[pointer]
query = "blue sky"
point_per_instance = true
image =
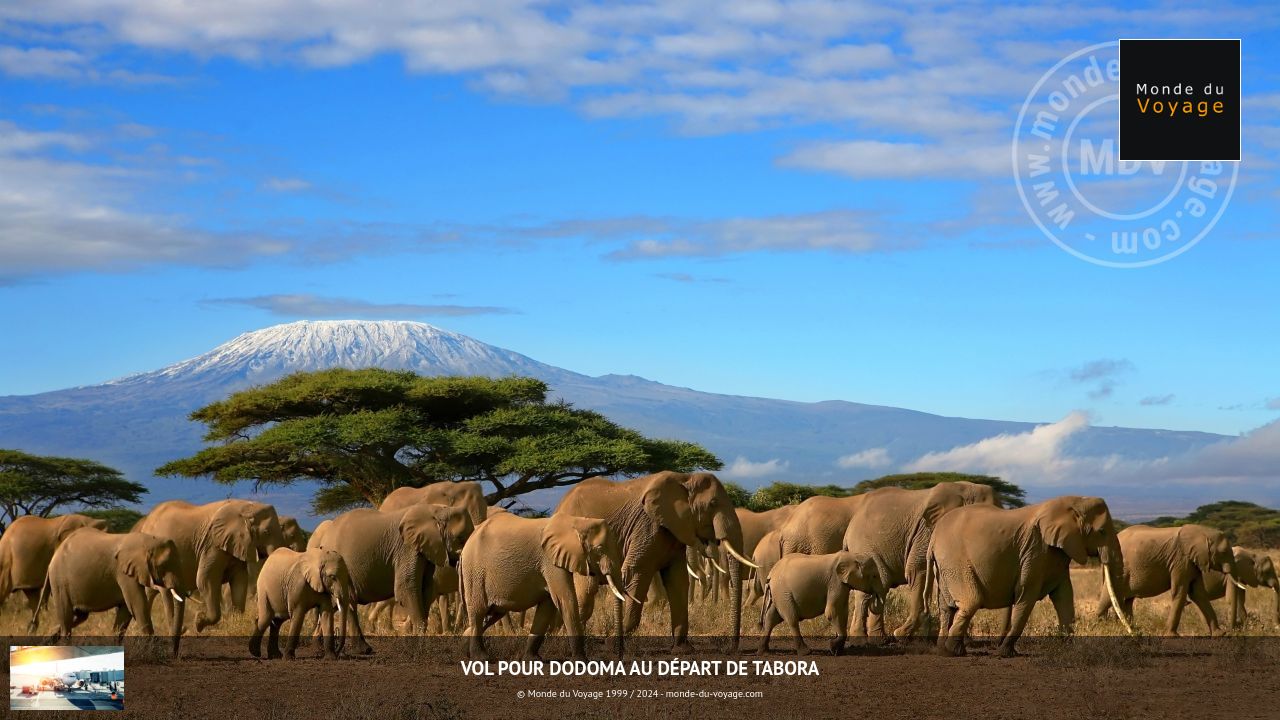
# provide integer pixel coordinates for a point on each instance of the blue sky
(806, 201)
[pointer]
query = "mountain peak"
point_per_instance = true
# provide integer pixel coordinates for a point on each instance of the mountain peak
(264, 355)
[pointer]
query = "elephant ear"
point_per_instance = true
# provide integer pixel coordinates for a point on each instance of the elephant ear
(133, 558)
(565, 540)
(942, 499)
(1060, 526)
(849, 569)
(423, 527)
(1198, 548)
(228, 530)
(666, 500)
(311, 570)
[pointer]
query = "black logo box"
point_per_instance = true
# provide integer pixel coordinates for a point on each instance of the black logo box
(1187, 68)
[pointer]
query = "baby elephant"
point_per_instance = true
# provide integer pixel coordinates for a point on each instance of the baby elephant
(513, 563)
(290, 585)
(806, 586)
(92, 571)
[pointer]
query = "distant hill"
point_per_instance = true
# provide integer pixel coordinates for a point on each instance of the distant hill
(1246, 523)
(139, 422)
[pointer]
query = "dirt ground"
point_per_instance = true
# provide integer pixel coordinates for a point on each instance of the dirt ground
(421, 678)
(1099, 673)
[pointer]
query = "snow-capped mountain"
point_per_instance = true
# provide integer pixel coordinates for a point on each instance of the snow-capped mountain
(265, 355)
(139, 422)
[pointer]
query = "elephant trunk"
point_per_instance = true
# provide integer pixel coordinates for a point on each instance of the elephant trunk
(179, 611)
(1277, 589)
(729, 533)
(1109, 554)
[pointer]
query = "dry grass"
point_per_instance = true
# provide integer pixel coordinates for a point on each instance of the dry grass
(713, 619)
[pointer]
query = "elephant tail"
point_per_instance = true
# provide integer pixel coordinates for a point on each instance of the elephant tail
(930, 581)
(35, 614)
(767, 604)
(462, 590)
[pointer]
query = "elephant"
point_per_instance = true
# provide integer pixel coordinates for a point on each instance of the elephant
(466, 495)
(985, 557)
(655, 517)
(755, 526)
(800, 587)
(1252, 570)
(92, 571)
(767, 554)
(445, 584)
(218, 542)
(1188, 560)
(291, 584)
(295, 538)
(893, 526)
(28, 545)
(394, 555)
(513, 563)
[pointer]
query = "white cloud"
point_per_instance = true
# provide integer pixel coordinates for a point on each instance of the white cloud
(872, 458)
(316, 306)
(876, 159)
(746, 469)
(1036, 456)
(286, 185)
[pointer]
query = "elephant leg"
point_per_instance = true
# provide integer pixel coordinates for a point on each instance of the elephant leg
(837, 613)
(238, 586)
(793, 621)
(1200, 597)
(542, 618)
(1235, 606)
(166, 602)
(1021, 614)
(952, 642)
(273, 640)
(210, 588)
(121, 622)
(330, 650)
(477, 610)
(875, 619)
(1176, 600)
(361, 646)
(769, 619)
(264, 622)
(858, 621)
(295, 629)
(1063, 598)
(676, 580)
(560, 583)
(135, 602)
(915, 606)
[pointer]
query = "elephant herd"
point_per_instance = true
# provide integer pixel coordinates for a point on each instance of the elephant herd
(955, 544)
(671, 535)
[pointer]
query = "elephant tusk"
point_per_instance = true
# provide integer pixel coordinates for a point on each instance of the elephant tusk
(1115, 601)
(729, 547)
(175, 595)
(716, 565)
(614, 588)
(635, 599)
(692, 574)
(1238, 583)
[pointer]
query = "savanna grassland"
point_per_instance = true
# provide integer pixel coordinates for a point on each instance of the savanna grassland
(1100, 673)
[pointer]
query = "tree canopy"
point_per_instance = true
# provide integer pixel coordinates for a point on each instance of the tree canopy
(118, 519)
(1245, 523)
(778, 494)
(363, 433)
(39, 485)
(1008, 494)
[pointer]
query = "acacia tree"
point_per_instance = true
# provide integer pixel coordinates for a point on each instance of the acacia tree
(363, 433)
(1008, 494)
(39, 485)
